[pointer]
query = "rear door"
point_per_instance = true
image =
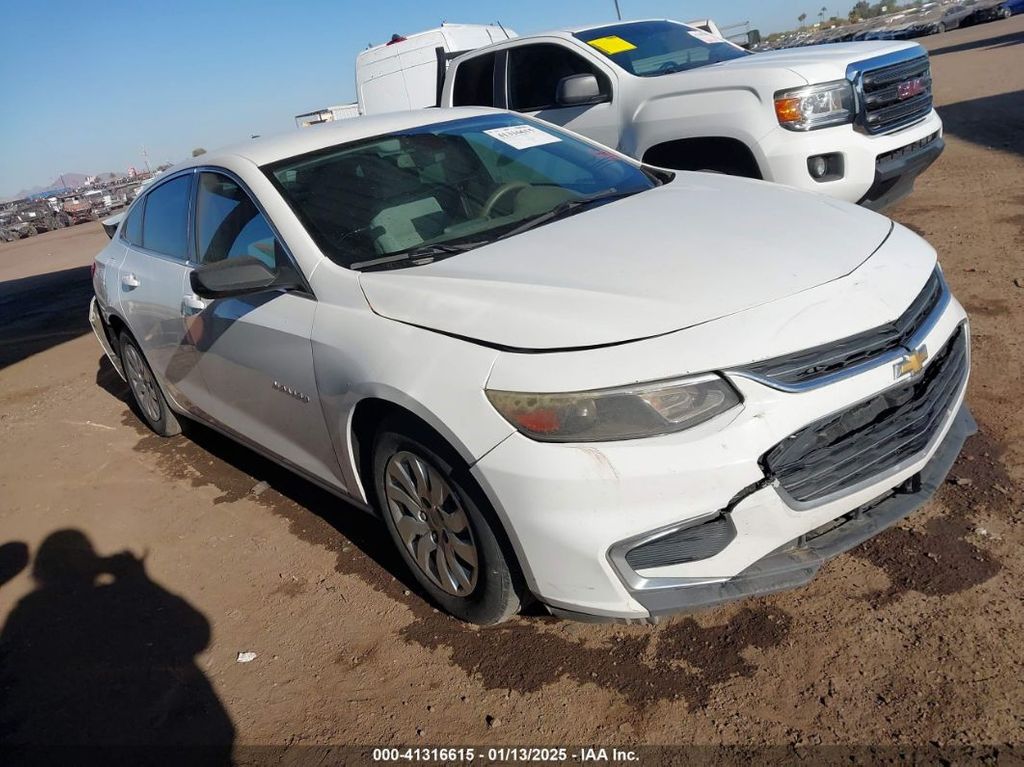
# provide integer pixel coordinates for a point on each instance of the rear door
(254, 351)
(152, 278)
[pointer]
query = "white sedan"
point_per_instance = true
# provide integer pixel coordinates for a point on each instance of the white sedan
(555, 373)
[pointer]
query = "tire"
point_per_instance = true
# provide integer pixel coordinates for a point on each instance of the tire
(436, 514)
(942, 28)
(150, 403)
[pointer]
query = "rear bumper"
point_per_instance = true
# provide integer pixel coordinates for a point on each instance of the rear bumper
(100, 329)
(799, 561)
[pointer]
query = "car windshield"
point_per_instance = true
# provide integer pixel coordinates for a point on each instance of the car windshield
(429, 192)
(652, 48)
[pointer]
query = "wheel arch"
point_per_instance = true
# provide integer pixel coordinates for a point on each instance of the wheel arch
(725, 153)
(364, 422)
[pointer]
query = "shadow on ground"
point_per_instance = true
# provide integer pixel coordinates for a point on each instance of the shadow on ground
(39, 312)
(1003, 41)
(100, 655)
(996, 122)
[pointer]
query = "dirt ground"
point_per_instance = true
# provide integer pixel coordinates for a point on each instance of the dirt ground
(133, 569)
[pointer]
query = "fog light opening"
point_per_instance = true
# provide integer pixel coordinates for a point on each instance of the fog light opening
(825, 167)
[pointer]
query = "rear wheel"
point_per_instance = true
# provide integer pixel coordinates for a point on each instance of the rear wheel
(442, 525)
(149, 400)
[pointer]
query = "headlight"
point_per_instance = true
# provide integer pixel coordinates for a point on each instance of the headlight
(815, 106)
(627, 412)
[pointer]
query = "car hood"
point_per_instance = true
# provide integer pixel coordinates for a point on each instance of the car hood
(697, 249)
(817, 63)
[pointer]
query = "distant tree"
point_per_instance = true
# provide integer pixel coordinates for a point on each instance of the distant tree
(821, 13)
(801, 18)
(198, 151)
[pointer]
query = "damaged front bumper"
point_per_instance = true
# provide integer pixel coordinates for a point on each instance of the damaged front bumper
(798, 562)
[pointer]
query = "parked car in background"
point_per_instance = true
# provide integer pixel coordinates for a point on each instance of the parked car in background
(983, 11)
(557, 374)
(1013, 7)
(852, 121)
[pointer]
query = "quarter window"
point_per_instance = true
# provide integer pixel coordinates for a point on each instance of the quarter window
(229, 225)
(132, 230)
(474, 82)
(165, 219)
(534, 72)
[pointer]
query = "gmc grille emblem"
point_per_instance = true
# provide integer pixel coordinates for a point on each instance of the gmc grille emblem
(909, 88)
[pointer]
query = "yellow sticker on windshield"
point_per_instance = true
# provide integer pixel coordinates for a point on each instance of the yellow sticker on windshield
(612, 44)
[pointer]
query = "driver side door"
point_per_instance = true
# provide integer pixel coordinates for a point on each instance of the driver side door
(254, 351)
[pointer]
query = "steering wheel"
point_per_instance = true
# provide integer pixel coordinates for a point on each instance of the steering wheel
(668, 66)
(497, 194)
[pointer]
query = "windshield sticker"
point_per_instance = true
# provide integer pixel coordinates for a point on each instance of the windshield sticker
(522, 136)
(612, 44)
(705, 37)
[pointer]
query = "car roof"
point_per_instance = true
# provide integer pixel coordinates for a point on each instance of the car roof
(569, 32)
(595, 27)
(299, 141)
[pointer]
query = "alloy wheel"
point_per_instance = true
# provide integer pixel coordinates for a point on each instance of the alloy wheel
(432, 523)
(142, 383)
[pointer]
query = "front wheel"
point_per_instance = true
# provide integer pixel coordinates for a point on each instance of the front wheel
(442, 525)
(149, 400)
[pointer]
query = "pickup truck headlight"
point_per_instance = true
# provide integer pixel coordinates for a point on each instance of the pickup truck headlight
(627, 412)
(815, 106)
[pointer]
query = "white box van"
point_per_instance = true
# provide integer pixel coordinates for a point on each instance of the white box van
(403, 73)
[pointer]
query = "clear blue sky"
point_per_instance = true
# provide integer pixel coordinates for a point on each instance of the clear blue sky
(86, 85)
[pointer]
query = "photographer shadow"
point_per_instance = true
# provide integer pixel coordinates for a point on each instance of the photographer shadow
(100, 655)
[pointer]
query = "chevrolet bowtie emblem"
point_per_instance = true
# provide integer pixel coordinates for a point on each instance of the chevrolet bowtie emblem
(912, 363)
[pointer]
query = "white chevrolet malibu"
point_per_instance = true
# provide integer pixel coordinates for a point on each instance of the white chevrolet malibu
(555, 373)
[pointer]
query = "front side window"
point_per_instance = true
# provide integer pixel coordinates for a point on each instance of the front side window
(534, 72)
(229, 225)
(474, 82)
(165, 218)
(652, 48)
(434, 191)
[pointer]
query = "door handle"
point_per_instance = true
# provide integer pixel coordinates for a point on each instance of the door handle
(129, 281)
(191, 305)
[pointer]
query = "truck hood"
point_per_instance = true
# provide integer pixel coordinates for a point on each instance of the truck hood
(818, 63)
(697, 249)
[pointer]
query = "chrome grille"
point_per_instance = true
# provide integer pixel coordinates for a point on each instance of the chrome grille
(805, 366)
(865, 441)
(888, 96)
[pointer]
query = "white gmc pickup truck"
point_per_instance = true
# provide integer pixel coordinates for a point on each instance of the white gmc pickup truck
(854, 121)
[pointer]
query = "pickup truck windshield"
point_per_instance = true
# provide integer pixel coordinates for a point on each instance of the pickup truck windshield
(652, 48)
(428, 193)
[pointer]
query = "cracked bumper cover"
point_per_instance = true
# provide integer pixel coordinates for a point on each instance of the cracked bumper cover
(798, 562)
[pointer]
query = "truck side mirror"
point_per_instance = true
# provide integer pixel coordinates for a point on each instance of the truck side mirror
(578, 90)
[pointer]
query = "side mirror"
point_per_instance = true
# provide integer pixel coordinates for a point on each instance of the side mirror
(578, 90)
(231, 277)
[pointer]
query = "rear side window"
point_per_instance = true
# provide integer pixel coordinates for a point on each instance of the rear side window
(132, 230)
(474, 82)
(229, 225)
(534, 72)
(165, 220)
